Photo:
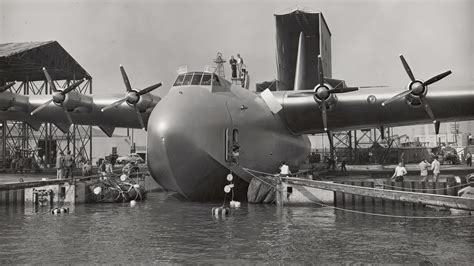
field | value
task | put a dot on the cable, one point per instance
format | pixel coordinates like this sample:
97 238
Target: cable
391 216
422 189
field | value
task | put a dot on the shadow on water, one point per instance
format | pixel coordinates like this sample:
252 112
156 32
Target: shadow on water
166 229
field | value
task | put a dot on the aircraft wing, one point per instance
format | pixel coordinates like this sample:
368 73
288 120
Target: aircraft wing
66 106
363 109
81 109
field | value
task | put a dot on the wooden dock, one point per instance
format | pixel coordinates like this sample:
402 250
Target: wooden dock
411 192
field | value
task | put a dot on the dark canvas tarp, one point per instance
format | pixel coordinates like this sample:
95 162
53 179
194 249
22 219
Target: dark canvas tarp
317 40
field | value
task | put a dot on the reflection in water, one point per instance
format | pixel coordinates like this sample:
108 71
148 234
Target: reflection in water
164 229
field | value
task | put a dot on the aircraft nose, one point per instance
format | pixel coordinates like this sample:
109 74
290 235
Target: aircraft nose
184 144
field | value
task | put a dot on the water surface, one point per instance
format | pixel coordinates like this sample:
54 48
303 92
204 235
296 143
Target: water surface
164 229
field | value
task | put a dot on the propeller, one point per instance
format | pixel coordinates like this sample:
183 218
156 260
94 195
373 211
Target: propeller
322 92
6 87
132 97
58 96
418 88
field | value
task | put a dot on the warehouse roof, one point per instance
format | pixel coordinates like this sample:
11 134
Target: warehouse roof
25 61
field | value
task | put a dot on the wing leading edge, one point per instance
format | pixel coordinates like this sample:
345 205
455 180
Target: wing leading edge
363 109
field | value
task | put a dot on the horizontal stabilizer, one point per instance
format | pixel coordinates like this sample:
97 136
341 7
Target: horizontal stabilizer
272 103
109 131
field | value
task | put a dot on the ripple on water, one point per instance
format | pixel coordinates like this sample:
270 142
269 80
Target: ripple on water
164 229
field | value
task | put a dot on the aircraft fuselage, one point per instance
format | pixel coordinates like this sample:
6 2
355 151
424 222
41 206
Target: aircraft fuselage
191 131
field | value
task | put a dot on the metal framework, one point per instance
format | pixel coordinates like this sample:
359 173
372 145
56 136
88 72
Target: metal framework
18 138
23 62
362 146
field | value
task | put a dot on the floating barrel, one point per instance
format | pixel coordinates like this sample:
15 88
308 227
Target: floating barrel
220 211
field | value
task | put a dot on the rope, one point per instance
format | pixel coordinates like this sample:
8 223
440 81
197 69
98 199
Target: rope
365 213
421 189
390 215
380 184
269 174
261 180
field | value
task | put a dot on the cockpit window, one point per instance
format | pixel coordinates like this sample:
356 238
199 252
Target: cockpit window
179 81
206 79
196 79
187 79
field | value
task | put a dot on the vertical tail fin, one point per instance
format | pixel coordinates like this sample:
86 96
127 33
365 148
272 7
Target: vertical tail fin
300 65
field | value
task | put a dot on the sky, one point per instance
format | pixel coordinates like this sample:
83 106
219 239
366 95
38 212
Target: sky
153 38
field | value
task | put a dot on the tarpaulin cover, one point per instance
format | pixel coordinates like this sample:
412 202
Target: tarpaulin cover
317 41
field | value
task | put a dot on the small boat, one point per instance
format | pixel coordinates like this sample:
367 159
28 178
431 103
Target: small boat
112 190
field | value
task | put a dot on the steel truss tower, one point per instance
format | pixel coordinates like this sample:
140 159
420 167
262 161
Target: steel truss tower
364 146
18 138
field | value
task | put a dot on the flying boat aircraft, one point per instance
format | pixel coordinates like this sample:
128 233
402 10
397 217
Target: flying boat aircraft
207 127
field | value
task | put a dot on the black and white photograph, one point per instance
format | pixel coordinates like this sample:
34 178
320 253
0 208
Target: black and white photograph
317 132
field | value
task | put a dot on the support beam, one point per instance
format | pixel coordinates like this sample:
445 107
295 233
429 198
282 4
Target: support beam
413 197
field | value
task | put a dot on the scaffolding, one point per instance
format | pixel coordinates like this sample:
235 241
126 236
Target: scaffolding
365 146
220 65
23 63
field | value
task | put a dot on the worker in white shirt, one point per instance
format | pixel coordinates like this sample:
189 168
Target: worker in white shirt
400 172
435 167
284 169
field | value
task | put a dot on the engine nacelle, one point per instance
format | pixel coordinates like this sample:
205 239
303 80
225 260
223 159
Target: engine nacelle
79 102
147 101
417 91
12 101
413 101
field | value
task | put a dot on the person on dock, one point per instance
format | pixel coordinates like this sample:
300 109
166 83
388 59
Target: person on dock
240 62
86 169
424 166
233 66
400 172
109 170
102 169
284 169
60 166
343 165
69 163
435 167
469 159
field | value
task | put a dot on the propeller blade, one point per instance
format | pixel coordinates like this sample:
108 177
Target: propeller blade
343 90
41 107
324 115
72 87
396 97
382 132
437 124
68 116
6 87
320 70
149 89
125 79
407 68
115 104
331 143
49 79
140 119
428 109
301 94
437 78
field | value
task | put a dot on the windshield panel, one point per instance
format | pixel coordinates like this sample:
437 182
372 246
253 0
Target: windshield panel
187 79
196 79
179 81
206 79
